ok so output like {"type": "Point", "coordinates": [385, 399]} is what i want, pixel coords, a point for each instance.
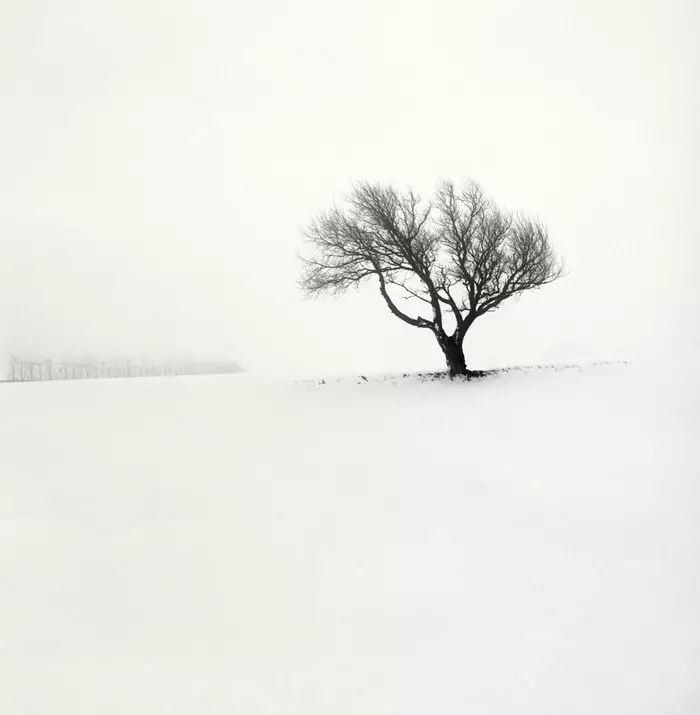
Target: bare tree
{"type": "Point", "coordinates": [460, 256]}
{"type": "Point", "coordinates": [13, 369]}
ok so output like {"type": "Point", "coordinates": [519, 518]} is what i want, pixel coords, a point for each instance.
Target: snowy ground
{"type": "Point", "coordinates": [525, 544]}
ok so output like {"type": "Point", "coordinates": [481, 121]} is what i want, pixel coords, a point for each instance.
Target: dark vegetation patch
{"type": "Point", "coordinates": [444, 375]}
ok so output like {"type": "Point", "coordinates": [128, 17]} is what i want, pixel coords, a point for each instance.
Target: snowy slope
{"type": "Point", "coordinates": [528, 543]}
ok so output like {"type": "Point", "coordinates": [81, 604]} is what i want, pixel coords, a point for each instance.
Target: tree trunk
{"type": "Point", "coordinates": [454, 355]}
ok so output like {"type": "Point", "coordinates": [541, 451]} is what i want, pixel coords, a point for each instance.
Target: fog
{"type": "Point", "coordinates": [159, 162]}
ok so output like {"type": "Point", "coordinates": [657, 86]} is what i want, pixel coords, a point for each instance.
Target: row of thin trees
{"type": "Point", "coordinates": [23, 370]}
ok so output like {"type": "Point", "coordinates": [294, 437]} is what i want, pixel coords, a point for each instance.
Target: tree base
{"type": "Point", "coordinates": [446, 375]}
{"type": "Point", "coordinates": [467, 374]}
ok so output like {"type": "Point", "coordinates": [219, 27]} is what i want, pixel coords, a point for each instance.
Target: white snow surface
{"type": "Point", "coordinates": [525, 544]}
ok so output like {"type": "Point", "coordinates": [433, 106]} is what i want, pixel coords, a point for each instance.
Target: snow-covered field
{"type": "Point", "coordinates": [526, 544]}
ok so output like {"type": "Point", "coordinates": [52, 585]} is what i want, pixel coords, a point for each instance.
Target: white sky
{"type": "Point", "coordinates": [158, 161]}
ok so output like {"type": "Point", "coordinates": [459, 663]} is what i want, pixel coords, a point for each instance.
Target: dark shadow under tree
{"type": "Point", "coordinates": [460, 256]}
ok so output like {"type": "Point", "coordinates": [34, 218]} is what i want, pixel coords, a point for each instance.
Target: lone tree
{"type": "Point", "coordinates": [460, 255]}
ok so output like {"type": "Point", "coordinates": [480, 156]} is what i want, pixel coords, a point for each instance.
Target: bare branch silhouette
{"type": "Point", "coordinates": [460, 256]}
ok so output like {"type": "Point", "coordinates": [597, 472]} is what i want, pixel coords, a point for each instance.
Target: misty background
{"type": "Point", "coordinates": [159, 162]}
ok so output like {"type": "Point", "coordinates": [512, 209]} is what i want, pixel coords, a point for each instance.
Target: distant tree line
{"type": "Point", "coordinates": [23, 370]}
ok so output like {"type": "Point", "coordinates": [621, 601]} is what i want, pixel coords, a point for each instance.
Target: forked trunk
{"type": "Point", "coordinates": [454, 355]}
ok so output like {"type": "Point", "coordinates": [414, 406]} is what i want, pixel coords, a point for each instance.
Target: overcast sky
{"type": "Point", "coordinates": [160, 159]}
